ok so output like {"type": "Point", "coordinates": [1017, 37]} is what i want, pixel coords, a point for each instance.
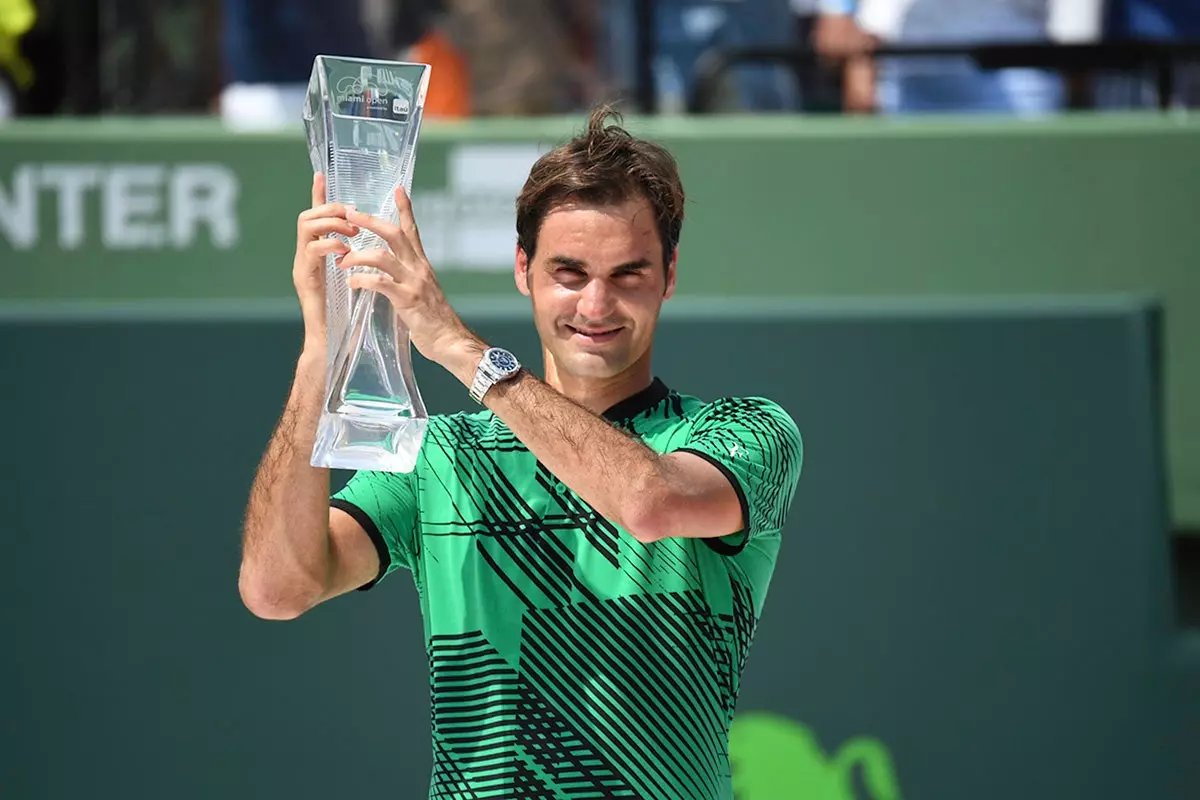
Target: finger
{"type": "Point", "coordinates": [408, 221]}
{"type": "Point", "coordinates": [323, 226]}
{"type": "Point", "coordinates": [382, 260]}
{"type": "Point", "coordinates": [387, 231]}
{"type": "Point", "coordinates": [326, 210]}
{"type": "Point", "coordinates": [383, 284]}
{"type": "Point", "coordinates": [318, 189]}
{"type": "Point", "coordinates": [320, 248]}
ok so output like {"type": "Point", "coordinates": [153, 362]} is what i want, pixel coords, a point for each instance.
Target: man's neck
{"type": "Point", "coordinates": [599, 394]}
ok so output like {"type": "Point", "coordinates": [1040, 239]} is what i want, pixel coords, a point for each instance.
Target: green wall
{"type": "Point", "coordinates": [972, 600]}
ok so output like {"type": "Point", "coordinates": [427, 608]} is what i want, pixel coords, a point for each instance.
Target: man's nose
{"type": "Point", "coordinates": [596, 300]}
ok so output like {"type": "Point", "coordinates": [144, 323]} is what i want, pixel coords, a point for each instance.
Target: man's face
{"type": "Point", "coordinates": [597, 284]}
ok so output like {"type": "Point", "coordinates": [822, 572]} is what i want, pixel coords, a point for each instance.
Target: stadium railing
{"type": "Point", "coordinates": [1164, 59]}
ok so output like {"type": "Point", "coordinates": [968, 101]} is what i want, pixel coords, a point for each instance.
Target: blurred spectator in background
{"type": "Point", "coordinates": [532, 57]}
{"type": "Point", "coordinates": [829, 28]}
{"type": "Point", "coordinates": [954, 84]}
{"type": "Point", "coordinates": [269, 47]}
{"type": "Point", "coordinates": [1152, 21]}
{"type": "Point", "coordinates": [417, 35]}
{"type": "Point", "coordinates": [518, 57]}
{"type": "Point", "coordinates": [16, 73]}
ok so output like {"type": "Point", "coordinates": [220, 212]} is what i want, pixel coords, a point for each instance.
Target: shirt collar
{"type": "Point", "coordinates": [638, 403]}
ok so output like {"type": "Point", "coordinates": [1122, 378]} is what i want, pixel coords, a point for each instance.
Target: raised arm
{"type": "Point", "coordinates": [296, 550]}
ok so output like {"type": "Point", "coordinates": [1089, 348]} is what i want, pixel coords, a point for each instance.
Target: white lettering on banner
{"type": "Point", "coordinates": [204, 193]}
{"type": "Point", "coordinates": [140, 206]}
{"type": "Point", "coordinates": [71, 181]}
{"type": "Point", "coordinates": [132, 207]}
{"type": "Point", "coordinates": [18, 209]}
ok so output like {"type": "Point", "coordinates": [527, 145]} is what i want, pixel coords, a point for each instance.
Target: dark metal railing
{"type": "Point", "coordinates": [1163, 58]}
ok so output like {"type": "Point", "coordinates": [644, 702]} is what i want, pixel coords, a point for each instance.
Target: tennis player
{"type": "Point", "coordinates": [591, 549]}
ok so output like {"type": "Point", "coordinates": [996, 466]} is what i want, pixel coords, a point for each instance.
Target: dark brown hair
{"type": "Point", "coordinates": [603, 165]}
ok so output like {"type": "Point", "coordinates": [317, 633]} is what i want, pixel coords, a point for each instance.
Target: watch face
{"type": "Point", "coordinates": [502, 360]}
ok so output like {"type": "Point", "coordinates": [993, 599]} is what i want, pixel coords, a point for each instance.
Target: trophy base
{"type": "Point", "coordinates": [358, 442]}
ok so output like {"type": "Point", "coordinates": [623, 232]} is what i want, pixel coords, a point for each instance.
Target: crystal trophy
{"type": "Point", "coordinates": [361, 120]}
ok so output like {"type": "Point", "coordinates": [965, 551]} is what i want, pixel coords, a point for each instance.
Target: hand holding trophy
{"type": "Point", "coordinates": [361, 119]}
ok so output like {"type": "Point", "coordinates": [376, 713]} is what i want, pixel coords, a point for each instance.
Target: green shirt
{"type": "Point", "coordinates": [567, 659]}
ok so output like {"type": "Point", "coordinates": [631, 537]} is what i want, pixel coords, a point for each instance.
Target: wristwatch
{"type": "Point", "coordinates": [496, 365]}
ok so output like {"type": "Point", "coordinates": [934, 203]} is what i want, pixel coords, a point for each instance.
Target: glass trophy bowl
{"type": "Point", "coordinates": [361, 120]}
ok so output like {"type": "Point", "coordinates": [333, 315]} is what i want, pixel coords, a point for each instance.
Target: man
{"type": "Point", "coordinates": [591, 551]}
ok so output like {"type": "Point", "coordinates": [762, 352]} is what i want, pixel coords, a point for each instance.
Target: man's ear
{"type": "Point", "coordinates": [521, 272]}
{"type": "Point", "coordinates": [670, 290]}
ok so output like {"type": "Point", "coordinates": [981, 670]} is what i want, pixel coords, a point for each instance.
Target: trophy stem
{"type": "Point", "coordinates": [371, 419]}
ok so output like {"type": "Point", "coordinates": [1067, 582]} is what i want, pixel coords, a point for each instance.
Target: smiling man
{"type": "Point", "coordinates": [592, 550]}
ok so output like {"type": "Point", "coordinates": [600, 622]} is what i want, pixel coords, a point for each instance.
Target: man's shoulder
{"type": "Point", "coordinates": [750, 419]}
{"type": "Point", "coordinates": [739, 431]}
{"type": "Point", "coordinates": [732, 408]}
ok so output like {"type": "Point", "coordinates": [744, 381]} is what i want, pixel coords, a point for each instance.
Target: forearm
{"type": "Point", "coordinates": [285, 557]}
{"type": "Point", "coordinates": [613, 472]}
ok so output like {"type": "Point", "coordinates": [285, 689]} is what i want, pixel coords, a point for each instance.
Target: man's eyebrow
{"type": "Point", "coordinates": [567, 261]}
{"type": "Point", "coordinates": [580, 264]}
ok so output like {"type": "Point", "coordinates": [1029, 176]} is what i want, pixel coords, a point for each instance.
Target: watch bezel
{"type": "Point", "coordinates": [487, 374]}
{"type": "Point", "coordinates": [499, 372]}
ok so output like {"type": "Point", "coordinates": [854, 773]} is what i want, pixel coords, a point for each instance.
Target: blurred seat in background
{"type": "Point", "coordinates": [249, 60]}
{"type": "Point", "coordinates": [685, 29]}
{"type": "Point", "coordinates": [268, 48]}
{"type": "Point", "coordinates": [904, 85]}
{"type": "Point", "coordinates": [1150, 21]}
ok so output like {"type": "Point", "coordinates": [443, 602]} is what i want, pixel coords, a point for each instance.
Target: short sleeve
{"type": "Point", "coordinates": [758, 447]}
{"type": "Point", "coordinates": [385, 504]}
